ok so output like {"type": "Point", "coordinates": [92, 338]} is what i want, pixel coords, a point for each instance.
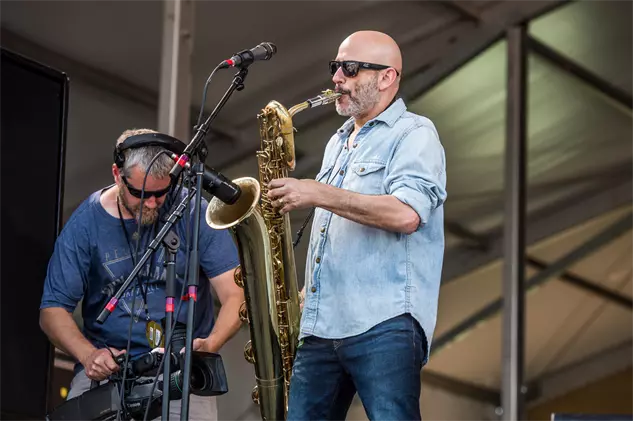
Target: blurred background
{"type": "Point", "coordinates": [134, 64]}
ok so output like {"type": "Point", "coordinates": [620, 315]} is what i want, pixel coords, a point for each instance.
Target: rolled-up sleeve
{"type": "Point", "coordinates": [416, 172]}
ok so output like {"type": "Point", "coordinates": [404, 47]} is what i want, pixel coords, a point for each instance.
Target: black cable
{"type": "Point", "coordinates": [204, 94]}
{"type": "Point", "coordinates": [311, 214]}
{"type": "Point", "coordinates": [139, 282]}
{"type": "Point", "coordinates": [188, 245]}
{"type": "Point", "coordinates": [303, 227]}
{"type": "Point", "coordinates": [167, 347]}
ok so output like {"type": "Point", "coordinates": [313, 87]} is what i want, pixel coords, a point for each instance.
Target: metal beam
{"type": "Point", "coordinates": [471, 390]}
{"type": "Point", "coordinates": [600, 364]}
{"type": "Point", "coordinates": [478, 241]}
{"type": "Point", "coordinates": [555, 218]}
{"type": "Point", "coordinates": [433, 57]}
{"type": "Point", "coordinates": [555, 269]}
{"type": "Point", "coordinates": [460, 387]}
{"type": "Point", "coordinates": [98, 78]}
{"type": "Point", "coordinates": [586, 285]}
{"type": "Point", "coordinates": [559, 60]}
{"type": "Point", "coordinates": [464, 8]}
{"type": "Point", "coordinates": [174, 108]}
{"type": "Point", "coordinates": [478, 41]}
{"type": "Point", "coordinates": [75, 69]}
{"type": "Point", "coordinates": [514, 226]}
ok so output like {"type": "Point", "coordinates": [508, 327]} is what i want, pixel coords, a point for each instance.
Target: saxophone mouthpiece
{"type": "Point", "coordinates": [327, 97]}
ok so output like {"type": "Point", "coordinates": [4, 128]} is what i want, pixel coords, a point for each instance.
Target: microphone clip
{"type": "Point", "coordinates": [242, 59]}
{"type": "Point", "coordinates": [245, 58]}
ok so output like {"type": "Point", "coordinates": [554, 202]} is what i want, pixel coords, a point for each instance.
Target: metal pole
{"type": "Point", "coordinates": [175, 79]}
{"type": "Point", "coordinates": [514, 227]}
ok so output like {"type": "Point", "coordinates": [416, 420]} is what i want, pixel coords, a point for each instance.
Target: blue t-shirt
{"type": "Point", "coordinates": [92, 252]}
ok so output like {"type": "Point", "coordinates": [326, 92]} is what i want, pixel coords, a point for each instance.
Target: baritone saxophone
{"type": "Point", "coordinates": [267, 271]}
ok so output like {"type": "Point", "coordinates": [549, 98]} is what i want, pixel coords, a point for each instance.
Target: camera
{"type": "Point", "coordinates": [103, 402]}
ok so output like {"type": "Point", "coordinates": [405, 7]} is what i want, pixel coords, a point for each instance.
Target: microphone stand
{"type": "Point", "coordinates": [192, 282]}
{"type": "Point", "coordinates": [172, 243]}
{"type": "Point", "coordinates": [195, 147]}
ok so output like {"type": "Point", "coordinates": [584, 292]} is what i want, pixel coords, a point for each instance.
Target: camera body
{"type": "Point", "coordinates": [208, 378]}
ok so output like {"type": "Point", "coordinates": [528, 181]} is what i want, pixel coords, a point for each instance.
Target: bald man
{"type": "Point", "coordinates": [376, 248]}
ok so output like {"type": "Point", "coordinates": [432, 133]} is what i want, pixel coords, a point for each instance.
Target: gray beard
{"type": "Point", "coordinates": [364, 98]}
{"type": "Point", "coordinates": [149, 215]}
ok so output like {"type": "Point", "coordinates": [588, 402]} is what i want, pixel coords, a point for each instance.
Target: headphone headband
{"type": "Point", "coordinates": [147, 139]}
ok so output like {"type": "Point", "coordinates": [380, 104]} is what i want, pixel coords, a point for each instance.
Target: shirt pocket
{"type": "Point", "coordinates": [367, 177]}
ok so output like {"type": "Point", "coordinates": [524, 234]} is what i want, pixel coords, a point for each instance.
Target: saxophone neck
{"type": "Point", "coordinates": [326, 97]}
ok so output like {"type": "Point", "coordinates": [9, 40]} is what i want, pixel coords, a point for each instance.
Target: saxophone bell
{"type": "Point", "coordinates": [222, 215]}
{"type": "Point", "coordinates": [267, 269]}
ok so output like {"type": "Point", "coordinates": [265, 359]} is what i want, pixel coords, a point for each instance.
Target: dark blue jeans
{"type": "Point", "coordinates": [383, 365]}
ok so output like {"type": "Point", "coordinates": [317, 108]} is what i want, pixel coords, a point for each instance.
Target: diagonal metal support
{"type": "Point", "coordinates": [475, 240]}
{"type": "Point", "coordinates": [464, 8]}
{"type": "Point", "coordinates": [543, 223]}
{"type": "Point", "coordinates": [471, 390]}
{"type": "Point", "coordinates": [486, 35]}
{"type": "Point", "coordinates": [555, 269]}
{"type": "Point", "coordinates": [460, 387]}
{"type": "Point", "coordinates": [483, 243]}
{"type": "Point", "coordinates": [585, 284]}
{"type": "Point", "coordinates": [588, 77]}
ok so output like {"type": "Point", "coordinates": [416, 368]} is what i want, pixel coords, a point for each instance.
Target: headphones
{"type": "Point", "coordinates": [147, 139]}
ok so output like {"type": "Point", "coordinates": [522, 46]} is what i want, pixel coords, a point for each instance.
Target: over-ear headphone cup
{"type": "Point", "coordinates": [118, 158]}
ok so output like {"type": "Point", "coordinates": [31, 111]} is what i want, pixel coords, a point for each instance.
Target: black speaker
{"type": "Point", "coordinates": [33, 119]}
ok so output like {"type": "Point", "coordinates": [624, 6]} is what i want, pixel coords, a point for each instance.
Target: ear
{"type": "Point", "coordinates": [387, 79]}
{"type": "Point", "coordinates": [116, 173]}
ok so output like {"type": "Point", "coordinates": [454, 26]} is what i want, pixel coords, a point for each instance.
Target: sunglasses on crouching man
{"type": "Point", "coordinates": [147, 193]}
{"type": "Point", "coordinates": [352, 67]}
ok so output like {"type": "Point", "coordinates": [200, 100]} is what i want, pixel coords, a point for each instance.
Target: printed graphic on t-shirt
{"type": "Point", "coordinates": [153, 277]}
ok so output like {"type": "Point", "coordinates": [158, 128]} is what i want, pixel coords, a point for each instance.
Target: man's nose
{"type": "Point", "coordinates": [151, 202]}
{"type": "Point", "coordinates": [338, 77]}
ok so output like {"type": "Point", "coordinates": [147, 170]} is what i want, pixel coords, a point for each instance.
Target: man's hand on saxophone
{"type": "Point", "coordinates": [288, 194]}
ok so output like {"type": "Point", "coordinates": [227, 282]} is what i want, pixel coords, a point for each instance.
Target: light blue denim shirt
{"type": "Point", "coordinates": [358, 276]}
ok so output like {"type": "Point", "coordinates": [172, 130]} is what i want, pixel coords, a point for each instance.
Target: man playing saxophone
{"type": "Point", "coordinates": [376, 248]}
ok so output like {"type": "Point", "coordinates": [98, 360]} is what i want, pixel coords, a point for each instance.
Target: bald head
{"type": "Point", "coordinates": [367, 90]}
{"type": "Point", "coordinates": [371, 47]}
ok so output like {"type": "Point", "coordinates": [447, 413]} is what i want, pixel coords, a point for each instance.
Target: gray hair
{"type": "Point", "coordinates": [142, 157]}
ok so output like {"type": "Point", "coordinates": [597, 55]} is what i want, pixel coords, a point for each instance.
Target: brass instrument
{"type": "Point", "coordinates": [267, 271]}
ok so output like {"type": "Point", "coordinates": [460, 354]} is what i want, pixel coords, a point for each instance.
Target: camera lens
{"type": "Point", "coordinates": [199, 380]}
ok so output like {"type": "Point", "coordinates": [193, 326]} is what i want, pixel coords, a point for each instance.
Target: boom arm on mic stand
{"type": "Point", "coordinates": [194, 147]}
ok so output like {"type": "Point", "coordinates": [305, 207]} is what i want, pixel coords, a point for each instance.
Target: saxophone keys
{"type": "Point", "coordinates": [255, 395]}
{"type": "Point", "coordinates": [244, 313]}
{"type": "Point", "coordinates": [249, 354]}
{"type": "Point", "coordinates": [238, 278]}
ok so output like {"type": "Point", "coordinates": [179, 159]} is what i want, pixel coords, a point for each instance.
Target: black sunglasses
{"type": "Point", "coordinates": [351, 67]}
{"type": "Point", "coordinates": [146, 194]}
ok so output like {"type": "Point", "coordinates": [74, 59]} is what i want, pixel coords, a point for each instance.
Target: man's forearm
{"type": "Point", "coordinates": [62, 331]}
{"type": "Point", "coordinates": [384, 211]}
{"type": "Point", "coordinates": [227, 323]}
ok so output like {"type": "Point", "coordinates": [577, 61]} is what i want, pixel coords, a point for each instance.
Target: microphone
{"type": "Point", "coordinates": [263, 51]}
{"type": "Point", "coordinates": [213, 182]}
{"type": "Point", "coordinates": [219, 186]}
